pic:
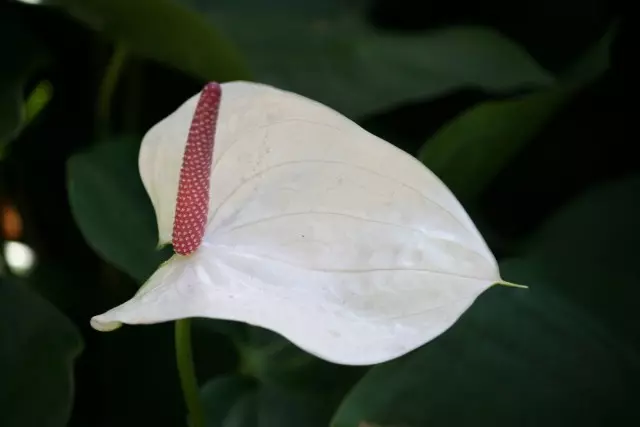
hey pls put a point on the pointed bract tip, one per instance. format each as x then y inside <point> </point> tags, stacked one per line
<point>511,285</point>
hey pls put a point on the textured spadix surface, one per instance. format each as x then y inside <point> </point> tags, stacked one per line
<point>316,229</point>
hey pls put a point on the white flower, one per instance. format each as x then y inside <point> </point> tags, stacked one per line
<point>316,229</point>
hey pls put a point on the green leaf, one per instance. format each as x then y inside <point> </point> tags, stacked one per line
<point>324,50</point>
<point>111,207</point>
<point>235,401</point>
<point>16,113</point>
<point>327,51</point>
<point>38,347</point>
<point>469,151</point>
<point>590,250</point>
<point>37,100</point>
<point>564,352</point>
<point>165,31</point>
<point>26,56</point>
<point>272,359</point>
<point>278,384</point>
<point>517,357</point>
<point>229,401</point>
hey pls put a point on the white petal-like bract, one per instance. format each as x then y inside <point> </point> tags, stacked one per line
<point>317,230</point>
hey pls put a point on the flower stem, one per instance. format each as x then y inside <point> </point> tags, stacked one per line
<point>108,86</point>
<point>187,372</point>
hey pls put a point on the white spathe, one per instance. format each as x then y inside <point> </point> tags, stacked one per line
<point>317,230</point>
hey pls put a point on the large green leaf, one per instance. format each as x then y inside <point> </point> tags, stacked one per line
<point>111,207</point>
<point>469,151</point>
<point>223,399</point>
<point>271,358</point>
<point>564,352</point>
<point>38,347</point>
<point>327,51</point>
<point>162,30</point>
<point>278,384</point>
<point>526,358</point>
<point>590,250</point>
<point>324,50</point>
<point>236,401</point>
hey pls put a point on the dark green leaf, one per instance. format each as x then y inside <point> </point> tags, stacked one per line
<point>234,401</point>
<point>324,50</point>
<point>327,51</point>
<point>273,359</point>
<point>38,347</point>
<point>517,357</point>
<point>37,100</point>
<point>280,385</point>
<point>468,152</point>
<point>23,55</point>
<point>222,398</point>
<point>112,209</point>
<point>162,30</point>
<point>590,250</point>
<point>594,61</point>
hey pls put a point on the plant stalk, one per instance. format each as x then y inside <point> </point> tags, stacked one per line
<point>108,87</point>
<point>187,372</point>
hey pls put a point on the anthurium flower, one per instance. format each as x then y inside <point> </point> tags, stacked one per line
<point>287,215</point>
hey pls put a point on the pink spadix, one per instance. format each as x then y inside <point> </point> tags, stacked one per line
<point>192,205</point>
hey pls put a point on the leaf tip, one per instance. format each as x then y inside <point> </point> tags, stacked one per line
<point>104,326</point>
<point>511,285</point>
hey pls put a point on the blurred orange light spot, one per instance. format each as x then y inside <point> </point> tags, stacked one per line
<point>11,223</point>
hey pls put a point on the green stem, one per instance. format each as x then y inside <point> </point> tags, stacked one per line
<point>108,86</point>
<point>187,372</point>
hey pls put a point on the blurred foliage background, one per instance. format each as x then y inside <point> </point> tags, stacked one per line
<point>525,109</point>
